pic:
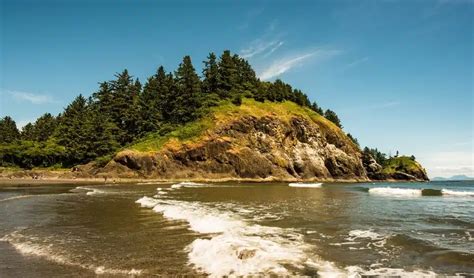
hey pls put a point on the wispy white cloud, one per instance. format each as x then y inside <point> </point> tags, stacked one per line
<point>273,49</point>
<point>260,46</point>
<point>355,63</point>
<point>31,97</point>
<point>281,66</point>
<point>448,163</point>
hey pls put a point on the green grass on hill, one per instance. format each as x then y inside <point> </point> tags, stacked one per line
<point>227,112</point>
<point>400,164</point>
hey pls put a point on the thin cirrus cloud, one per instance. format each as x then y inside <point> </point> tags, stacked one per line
<point>31,97</point>
<point>260,47</point>
<point>355,63</point>
<point>281,66</point>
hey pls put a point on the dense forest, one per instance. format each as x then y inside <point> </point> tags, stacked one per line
<point>124,110</point>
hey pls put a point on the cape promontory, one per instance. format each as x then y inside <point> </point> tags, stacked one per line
<point>253,140</point>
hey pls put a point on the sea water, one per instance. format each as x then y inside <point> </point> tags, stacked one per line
<point>217,229</point>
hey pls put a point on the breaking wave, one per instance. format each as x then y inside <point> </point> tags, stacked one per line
<point>308,185</point>
<point>237,247</point>
<point>25,246</point>
<point>188,184</point>
<point>389,191</point>
<point>457,193</point>
<point>412,192</point>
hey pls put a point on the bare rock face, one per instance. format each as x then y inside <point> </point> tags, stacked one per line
<point>251,147</point>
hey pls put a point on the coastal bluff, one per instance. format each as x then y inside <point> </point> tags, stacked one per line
<point>254,140</point>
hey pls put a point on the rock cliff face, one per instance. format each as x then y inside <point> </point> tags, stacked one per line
<point>282,144</point>
<point>277,141</point>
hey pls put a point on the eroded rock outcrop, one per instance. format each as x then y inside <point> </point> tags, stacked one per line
<point>267,147</point>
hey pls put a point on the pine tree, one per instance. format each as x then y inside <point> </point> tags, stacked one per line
<point>44,127</point>
<point>100,133</point>
<point>188,86</point>
<point>316,108</point>
<point>228,77</point>
<point>71,132</point>
<point>332,116</point>
<point>246,77</point>
<point>150,114</point>
<point>8,130</point>
<point>210,73</point>
<point>27,132</point>
<point>210,85</point>
<point>124,109</point>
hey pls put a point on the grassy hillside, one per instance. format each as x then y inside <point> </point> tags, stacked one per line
<point>401,164</point>
<point>227,112</point>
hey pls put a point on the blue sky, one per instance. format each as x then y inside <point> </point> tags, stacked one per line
<point>398,73</point>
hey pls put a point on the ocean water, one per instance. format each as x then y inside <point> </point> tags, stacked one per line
<point>326,230</point>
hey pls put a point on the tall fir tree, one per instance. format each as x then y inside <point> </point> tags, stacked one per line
<point>332,116</point>
<point>8,130</point>
<point>228,76</point>
<point>71,131</point>
<point>44,127</point>
<point>124,110</point>
<point>188,99</point>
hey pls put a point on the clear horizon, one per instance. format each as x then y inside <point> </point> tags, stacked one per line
<point>398,73</point>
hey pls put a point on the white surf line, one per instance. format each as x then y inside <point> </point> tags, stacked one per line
<point>17,197</point>
<point>395,192</point>
<point>307,185</point>
<point>25,247</point>
<point>457,193</point>
<point>236,247</point>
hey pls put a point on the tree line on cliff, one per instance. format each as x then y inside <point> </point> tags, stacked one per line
<point>123,110</point>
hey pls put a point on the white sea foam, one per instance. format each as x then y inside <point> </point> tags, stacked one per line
<point>147,202</point>
<point>238,247</point>
<point>16,198</point>
<point>26,247</point>
<point>355,234</point>
<point>96,191</point>
<point>356,271</point>
<point>457,193</point>
<point>188,184</point>
<point>89,190</point>
<point>308,185</point>
<point>395,192</point>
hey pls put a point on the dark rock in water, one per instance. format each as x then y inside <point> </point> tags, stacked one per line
<point>246,254</point>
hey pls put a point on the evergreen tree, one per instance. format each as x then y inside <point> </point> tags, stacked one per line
<point>316,108</point>
<point>100,133</point>
<point>150,114</point>
<point>188,86</point>
<point>8,130</point>
<point>27,132</point>
<point>353,139</point>
<point>210,73</point>
<point>228,76</point>
<point>44,127</point>
<point>210,84</point>
<point>124,109</point>
<point>332,116</point>
<point>247,79</point>
<point>71,131</point>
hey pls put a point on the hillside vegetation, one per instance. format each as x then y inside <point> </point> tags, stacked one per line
<point>227,112</point>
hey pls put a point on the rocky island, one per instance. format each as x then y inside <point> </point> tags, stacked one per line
<point>228,126</point>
